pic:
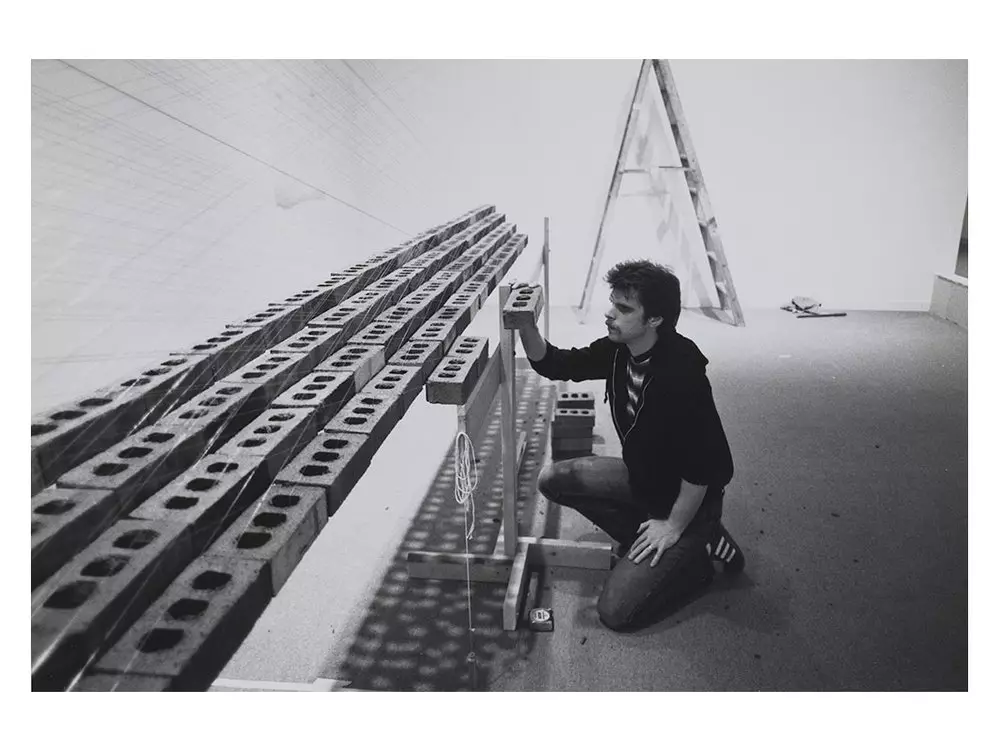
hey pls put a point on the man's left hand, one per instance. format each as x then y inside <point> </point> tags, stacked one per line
<point>655,537</point>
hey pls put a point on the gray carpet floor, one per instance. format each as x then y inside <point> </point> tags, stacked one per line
<point>850,501</point>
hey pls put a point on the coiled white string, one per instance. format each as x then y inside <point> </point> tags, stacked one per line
<point>466,480</point>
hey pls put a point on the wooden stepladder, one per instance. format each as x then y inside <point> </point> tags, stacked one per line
<point>697,190</point>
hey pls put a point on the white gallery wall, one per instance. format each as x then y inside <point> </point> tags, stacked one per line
<point>172,197</point>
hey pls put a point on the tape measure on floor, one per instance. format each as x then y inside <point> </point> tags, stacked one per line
<point>541,619</point>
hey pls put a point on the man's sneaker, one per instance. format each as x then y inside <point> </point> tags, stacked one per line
<point>728,552</point>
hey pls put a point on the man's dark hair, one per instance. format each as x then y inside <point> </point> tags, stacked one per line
<point>656,287</point>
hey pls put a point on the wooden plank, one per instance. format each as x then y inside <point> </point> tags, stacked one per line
<point>473,415</point>
<point>507,417</point>
<point>564,553</point>
<point>452,566</point>
<point>517,587</point>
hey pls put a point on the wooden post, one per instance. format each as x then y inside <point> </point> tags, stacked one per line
<point>545,271</point>
<point>507,422</point>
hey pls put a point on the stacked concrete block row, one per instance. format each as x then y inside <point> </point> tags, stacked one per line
<point>199,425</point>
<point>221,488</point>
<point>181,641</point>
<point>69,434</point>
<point>573,426</point>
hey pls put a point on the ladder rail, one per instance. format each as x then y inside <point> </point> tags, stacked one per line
<point>616,178</point>
<point>707,221</point>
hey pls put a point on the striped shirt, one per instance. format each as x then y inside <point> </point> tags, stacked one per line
<point>638,368</point>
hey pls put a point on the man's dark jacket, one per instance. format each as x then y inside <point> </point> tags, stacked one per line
<point>677,433</point>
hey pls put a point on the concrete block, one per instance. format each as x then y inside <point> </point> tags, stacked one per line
<point>63,522</point>
<point>458,372</point>
<point>74,432</point>
<point>334,461</point>
<point>445,325</point>
<point>138,466</point>
<point>361,361</point>
<point>383,334</point>
<point>315,343</point>
<point>272,373</point>
<point>369,414</point>
<point>575,400</point>
<point>564,444</point>
<point>88,603</point>
<point>340,286</point>
<point>366,272</point>
<point>277,531</point>
<point>323,391</point>
<point>396,381</point>
<point>571,430</point>
<point>208,496</point>
<point>274,323</point>
<point>313,301</point>
<point>574,416</point>
<point>120,683</point>
<point>190,632</point>
<point>522,307</point>
<point>423,354</point>
<point>217,414</point>
<point>228,350</point>
<point>358,310</point>
<point>274,438</point>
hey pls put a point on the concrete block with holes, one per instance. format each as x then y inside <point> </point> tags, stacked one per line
<point>339,286</point>
<point>368,413</point>
<point>402,383</point>
<point>273,438</point>
<point>138,466</point>
<point>63,522</point>
<point>522,308</point>
<point>442,329</point>
<point>271,372</point>
<point>315,343</point>
<point>383,334</point>
<point>323,391</point>
<point>277,531</point>
<point>88,603</point>
<point>458,372</point>
<point>193,629</point>
<point>316,300</point>
<point>334,461</point>
<point>208,496</point>
<point>217,414</point>
<point>273,324</point>
<point>423,355</point>
<point>361,361</point>
<point>228,350</point>
<point>74,432</point>
<point>575,400</point>
<point>573,417</point>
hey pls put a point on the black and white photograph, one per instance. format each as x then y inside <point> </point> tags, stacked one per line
<point>372,374</point>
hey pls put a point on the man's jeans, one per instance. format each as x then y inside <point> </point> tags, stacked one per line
<point>597,487</point>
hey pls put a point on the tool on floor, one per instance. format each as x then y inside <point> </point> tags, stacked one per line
<point>807,307</point>
<point>697,192</point>
<point>540,620</point>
